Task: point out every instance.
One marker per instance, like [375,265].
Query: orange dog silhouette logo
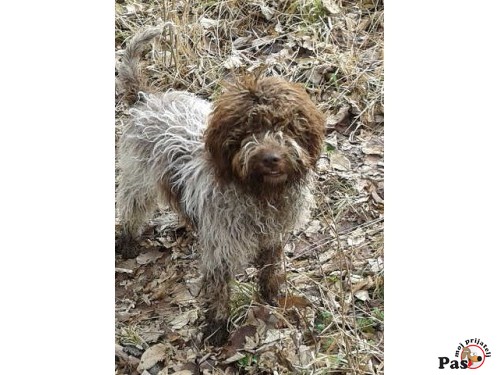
[471,356]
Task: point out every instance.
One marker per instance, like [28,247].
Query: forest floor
[332,320]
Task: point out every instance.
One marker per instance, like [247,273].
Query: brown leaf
[124,357]
[183,319]
[338,119]
[237,340]
[365,283]
[259,312]
[377,197]
[339,162]
[293,301]
[373,147]
[152,356]
[272,335]
[149,257]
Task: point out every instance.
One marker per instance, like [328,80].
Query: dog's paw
[216,333]
[269,296]
[127,247]
[271,300]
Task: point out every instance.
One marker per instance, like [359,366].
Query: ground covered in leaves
[331,320]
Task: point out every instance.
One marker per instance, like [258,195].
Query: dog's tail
[129,71]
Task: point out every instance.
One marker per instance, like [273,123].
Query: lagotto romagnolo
[239,170]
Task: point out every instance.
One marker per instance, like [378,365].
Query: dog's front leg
[217,297]
[268,263]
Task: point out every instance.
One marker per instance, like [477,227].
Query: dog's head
[264,133]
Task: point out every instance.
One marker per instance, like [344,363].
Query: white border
[442,205]
[57,173]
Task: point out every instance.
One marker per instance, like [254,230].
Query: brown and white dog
[240,171]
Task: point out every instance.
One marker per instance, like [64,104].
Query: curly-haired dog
[240,171]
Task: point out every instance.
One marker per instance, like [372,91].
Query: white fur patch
[164,141]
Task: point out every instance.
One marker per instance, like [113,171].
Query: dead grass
[331,321]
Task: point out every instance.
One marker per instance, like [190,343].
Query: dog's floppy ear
[228,123]
[465,353]
[217,145]
[231,119]
[222,130]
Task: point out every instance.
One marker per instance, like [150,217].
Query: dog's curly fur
[239,171]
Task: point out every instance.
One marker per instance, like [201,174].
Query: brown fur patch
[269,281]
[254,106]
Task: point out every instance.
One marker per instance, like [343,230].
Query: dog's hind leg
[217,297]
[135,205]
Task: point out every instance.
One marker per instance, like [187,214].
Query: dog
[471,358]
[239,170]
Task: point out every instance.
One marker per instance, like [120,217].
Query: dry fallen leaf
[339,162]
[261,314]
[152,336]
[359,284]
[181,295]
[376,265]
[235,357]
[293,301]
[271,336]
[362,295]
[181,320]
[356,238]
[149,257]
[152,356]
[258,42]
[305,355]
[237,341]
[313,227]
[372,148]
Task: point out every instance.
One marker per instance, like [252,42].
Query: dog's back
[163,135]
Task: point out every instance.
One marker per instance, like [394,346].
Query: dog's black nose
[479,358]
[271,159]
